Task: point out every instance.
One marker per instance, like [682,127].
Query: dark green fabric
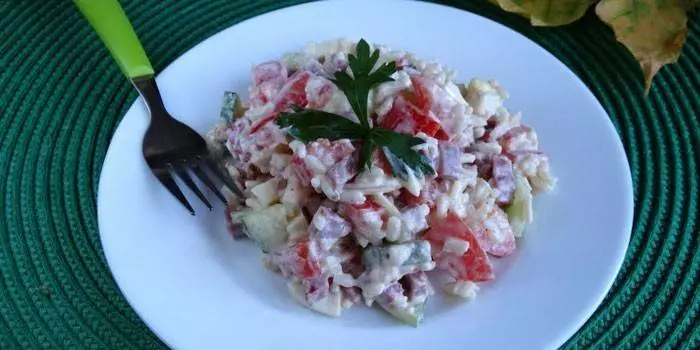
[61,97]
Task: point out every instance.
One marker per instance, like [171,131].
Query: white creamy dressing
[463,113]
[463,289]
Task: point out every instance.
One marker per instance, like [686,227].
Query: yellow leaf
[653,30]
[547,12]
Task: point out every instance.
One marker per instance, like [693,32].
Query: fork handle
[110,22]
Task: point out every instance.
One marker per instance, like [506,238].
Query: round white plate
[198,289]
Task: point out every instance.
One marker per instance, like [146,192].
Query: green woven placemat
[61,97]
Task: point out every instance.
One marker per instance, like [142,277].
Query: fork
[170,147]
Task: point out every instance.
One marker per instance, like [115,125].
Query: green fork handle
[110,22]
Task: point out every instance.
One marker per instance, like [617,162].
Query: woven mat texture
[62,96]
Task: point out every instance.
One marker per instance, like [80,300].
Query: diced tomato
[426,124]
[297,259]
[379,160]
[307,267]
[443,228]
[411,114]
[264,93]
[474,265]
[294,92]
[395,115]
[420,96]
[366,218]
[426,196]
[320,92]
[442,135]
[262,123]
[369,204]
[409,199]
[405,117]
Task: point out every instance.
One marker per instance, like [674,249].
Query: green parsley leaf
[366,153]
[309,124]
[398,150]
[363,79]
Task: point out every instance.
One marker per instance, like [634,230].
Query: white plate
[198,289]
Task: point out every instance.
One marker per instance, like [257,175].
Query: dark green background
[61,97]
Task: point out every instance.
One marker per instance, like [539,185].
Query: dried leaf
[547,12]
[653,30]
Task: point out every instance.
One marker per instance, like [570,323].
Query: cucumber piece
[266,227]
[410,313]
[231,107]
[331,305]
[520,210]
[401,254]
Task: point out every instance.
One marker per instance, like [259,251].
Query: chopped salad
[365,167]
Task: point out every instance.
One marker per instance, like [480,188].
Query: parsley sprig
[308,124]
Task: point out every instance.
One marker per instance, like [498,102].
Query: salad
[364,168]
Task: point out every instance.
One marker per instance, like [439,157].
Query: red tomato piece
[297,259]
[264,93]
[405,117]
[474,265]
[368,204]
[426,196]
[379,160]
[366,218]
[420,97]
[262,123]
[409,199]
[395,115]
[308,267]
[319,93]
[294,92]
[442,135]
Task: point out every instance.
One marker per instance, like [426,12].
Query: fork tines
[205,169]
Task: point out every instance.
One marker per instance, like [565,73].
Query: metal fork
[169,146]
